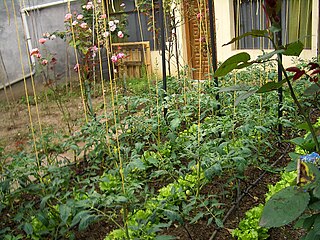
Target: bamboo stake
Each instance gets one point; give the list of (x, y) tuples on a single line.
[(26, 89), (77, 64)]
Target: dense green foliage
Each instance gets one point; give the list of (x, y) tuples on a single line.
[(166, 164)]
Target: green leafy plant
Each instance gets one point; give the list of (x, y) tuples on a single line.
[(249, 227)]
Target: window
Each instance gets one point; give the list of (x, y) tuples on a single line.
[(134, 20), (296, 16)]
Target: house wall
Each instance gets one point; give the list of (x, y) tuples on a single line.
[(225, 30), (181, 52), (224, 18)]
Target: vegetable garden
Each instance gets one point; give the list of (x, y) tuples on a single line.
[(121, 158)]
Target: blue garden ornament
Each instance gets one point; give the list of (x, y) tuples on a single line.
[(311, 158), (304, 174)]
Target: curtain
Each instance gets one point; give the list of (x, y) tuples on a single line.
[(299, 19), (296, 16)]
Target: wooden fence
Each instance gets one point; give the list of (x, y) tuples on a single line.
[(137, 58)]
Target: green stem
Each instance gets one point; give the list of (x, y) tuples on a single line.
[(293, 95), (301, 109), (125, 221)]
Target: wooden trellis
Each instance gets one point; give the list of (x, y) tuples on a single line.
[(137, 57)]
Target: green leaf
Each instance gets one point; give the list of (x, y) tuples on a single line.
[(43, 218), (315, 206), (316, 192), (212, 171), (121, 199), (244, 96), (65, 212), (44, 200), (218, 222), (237, 61), (303, 126), (137, 163), (299, 141), (253, 33), (305, 221), (313, 89), (293, 49), (175, 123), (284, 207), (274, 29), (235, 88), (269, 55), (312, 235), (173, 216), (85, 221), (27, 227), (197, 217), (270, 86), (79, 216)]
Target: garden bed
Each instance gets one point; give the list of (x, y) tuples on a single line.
[(162, 177)]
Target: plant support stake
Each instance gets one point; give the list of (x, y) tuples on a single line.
[(213, 38), (280, 91), (163, 50)]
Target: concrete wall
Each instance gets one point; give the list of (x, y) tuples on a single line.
[(40, 16)]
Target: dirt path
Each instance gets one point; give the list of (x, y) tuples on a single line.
[(16, 131)]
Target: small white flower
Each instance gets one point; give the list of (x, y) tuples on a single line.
[(120, 34), (113, 28), (105, 34), (52, 37)]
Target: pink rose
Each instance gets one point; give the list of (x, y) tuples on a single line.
[(67, 17), (89, 5), (114, 59), (76, 67), (44, 62), (46, 35), (34, 51), (83, 25), (103, 16), (120, 34), (80, 16), (94, 48), (42, 40), (74, 23), (53, 60), (120, 55)]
